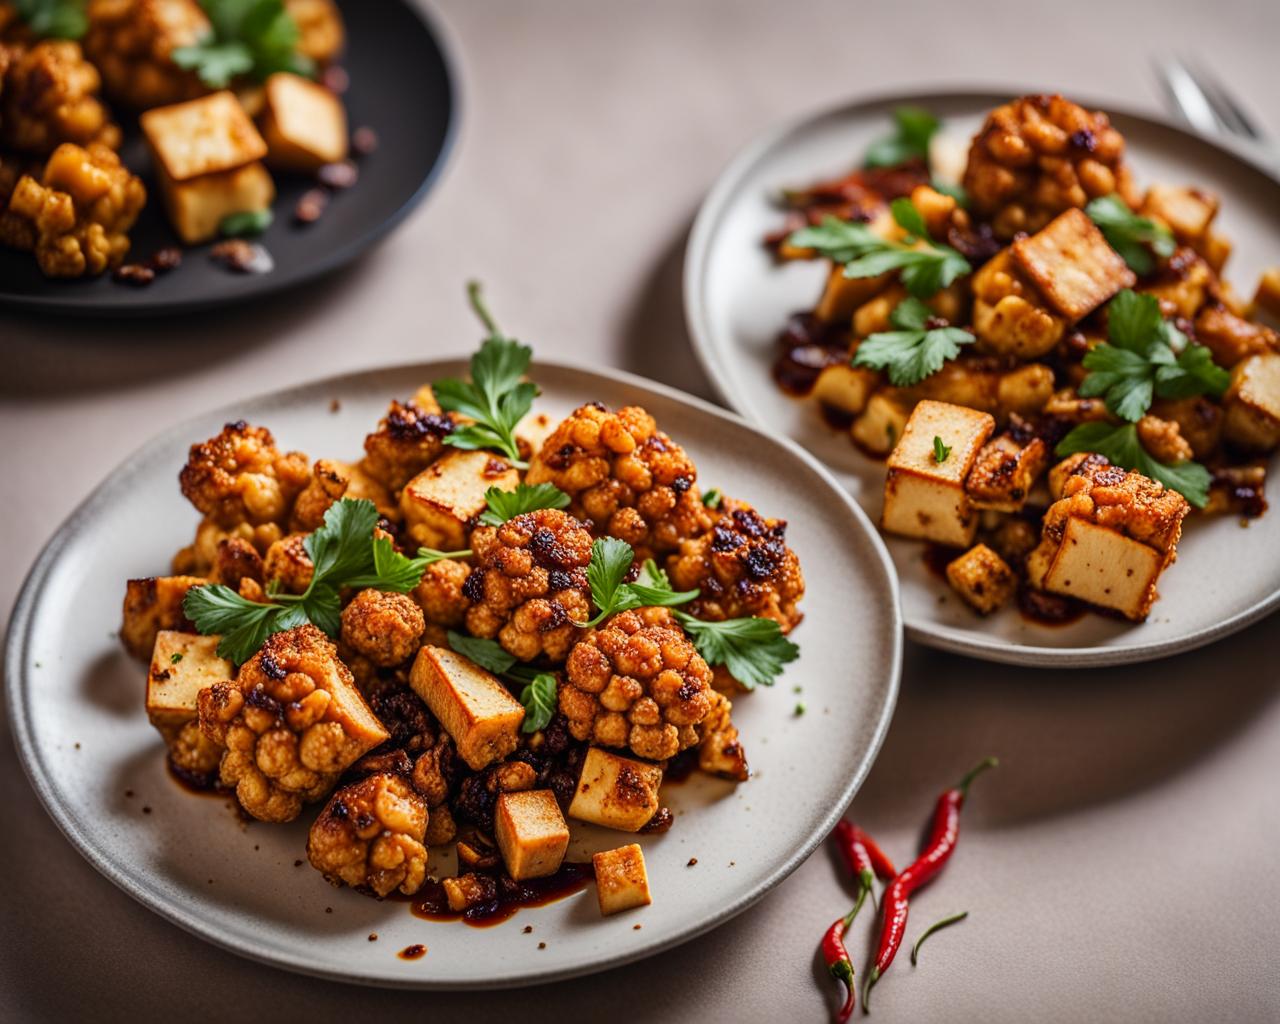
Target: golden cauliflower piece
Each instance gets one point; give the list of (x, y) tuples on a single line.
[(16, 231), (332, 481), (288, 565), (236, 559), (322, 33), (1041, 155), (193, 756), (239, 476), (530, 584), (719, 751), (369, 836), (386, 628), (50, 98), (637, 683), (1010, 315), (624, 475), (743, 568), (408, 439), (1119, 499), (291, 723), (130, 42), (440, 595)]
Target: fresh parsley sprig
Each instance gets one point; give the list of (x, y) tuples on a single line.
[(250, 37), (1145, 356), (941, 452), (915, 350), (1120, 445), (925, 271), (53, 19), (1134, 238), (496, 398), (538, 695), (610, 562), (914, 129), (506, 505)]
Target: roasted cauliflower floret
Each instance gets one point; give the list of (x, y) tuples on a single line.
[(386, 628), (291, 723), (288, 565), (130, 42), (408, 439), (1041, 155), (440, 595), (1010, 316), (332, 481), (743, 568), (239, 476), (236, 559), (50, 97), (320, 28), (193, 755), (1121, 500), (719, 751), (530, 584), (626, 476), (369, 836), (637, 683)]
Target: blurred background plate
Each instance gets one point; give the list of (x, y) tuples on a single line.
[(76, 701), (737, 300), (401, 87)]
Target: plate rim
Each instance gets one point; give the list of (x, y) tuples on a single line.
[(264, 286), (696, 261), (17, 681)]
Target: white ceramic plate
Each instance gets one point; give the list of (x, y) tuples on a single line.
[(737, 299), (76, 704)]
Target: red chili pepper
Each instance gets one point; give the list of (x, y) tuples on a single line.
[(849, 837), (942, 841), (838, 962)]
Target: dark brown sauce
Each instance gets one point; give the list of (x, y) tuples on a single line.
[(197, 784), (806, 347), (1045, 609), (938, 556), (431, 903), (412, 952), (680, 767), (837, 419)]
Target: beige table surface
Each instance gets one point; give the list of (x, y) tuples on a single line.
[(1119, 866)]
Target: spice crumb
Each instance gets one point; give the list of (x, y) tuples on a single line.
[(297, 863), (328, 910), (542, 945), (692, 862), (364, 140), (255, 846), (373, 936), (732, 863), (146, 810), (635, 928), (77, 746), (128, 792), (334, 405), (211, 881), (527, 929)]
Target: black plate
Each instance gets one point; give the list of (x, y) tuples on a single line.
[(400, 86)]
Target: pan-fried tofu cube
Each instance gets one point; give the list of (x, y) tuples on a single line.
[(881, 424), (843, 295), (1231, 338), (1004, 471), (531, 833), (197, 206), (440, 502), (204, 136), (182, 665), (534, 430), (1105, 568), (1216, 249), (303, 124), (845, 387), (924, 497), (474, 708), (1267, 296), (1187, 211), (982, 578), (1072, 265), (616, 792), (1253, 404), (621, 881), (153, 604)]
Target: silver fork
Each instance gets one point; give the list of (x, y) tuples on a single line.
[(1208, 107)]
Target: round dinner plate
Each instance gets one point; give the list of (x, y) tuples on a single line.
[(76, 702), (400, 86), (737, 299)]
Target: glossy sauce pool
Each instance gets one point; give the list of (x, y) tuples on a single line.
[(431, 903)]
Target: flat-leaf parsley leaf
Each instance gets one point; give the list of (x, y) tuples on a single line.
[(915, 350), (1134, 238), (506, 505), (1120, 445), (914, 128)]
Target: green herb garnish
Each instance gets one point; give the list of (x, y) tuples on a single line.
[(1134, 238), (925, 272), (941, 452), (610, 562), (250, 222), (801, 708), (496, 398), (506, 505), (915, 128), (250, 37), (539, 688), (915, 350), (753, 650), (53, 19), (1121, 447), (175, 658), (712, 498)]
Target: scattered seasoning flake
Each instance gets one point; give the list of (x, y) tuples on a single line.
[(635, 928), (134, 273), (373, 936), (311, 205), (800, 708), (146, 810), (328, 910), (77, 746), (364, 140), (798, 689), (175, 658), (527, 929), (334, 405), (166, 260), (128, 792), (255, 846), (297, 863), (542, 945), (211, 881), (692, 862), (343, 174), (732, 863), (335, 79)]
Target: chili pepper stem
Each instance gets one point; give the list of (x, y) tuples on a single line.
[(872, 978), (990, 762)]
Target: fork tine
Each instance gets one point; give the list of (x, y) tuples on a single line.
[(1224, 106), (1189, 98)]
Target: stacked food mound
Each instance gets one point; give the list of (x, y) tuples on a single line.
[(225, 89), (1047, 355), (487, 625)]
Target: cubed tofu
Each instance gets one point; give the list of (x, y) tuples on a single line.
[(204, 136), (1004, 471), (923, 497), (1182, 285), (621, 881), (982, 578), (534, 430), (531, 833), (1072, 265), (1216, 250), (843, 295), (1231, 338), (1252, 404), (474, 708), (153, 604), (440, 502), (1268, 294), (182, 664), (616, 792), (197, 207), (845, 387), (1105, 568), (303, 123), (877, 430), (1187, 211)]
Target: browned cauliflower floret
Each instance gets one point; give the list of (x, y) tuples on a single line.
[(291, 723), (530, 584), (239, 476), (1119, 499), (369, 836), (130, 41), (1041, 155), (332, 481), (16, 231), (236, 559), (743, 567), (630, 479), (50, 97), (719, 751), (440, 595), (288, 565), (386, 628), (193, 755), (637, 683), (409, 438)]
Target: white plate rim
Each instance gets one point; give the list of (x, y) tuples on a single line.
[(17, 680), (696, 259)]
